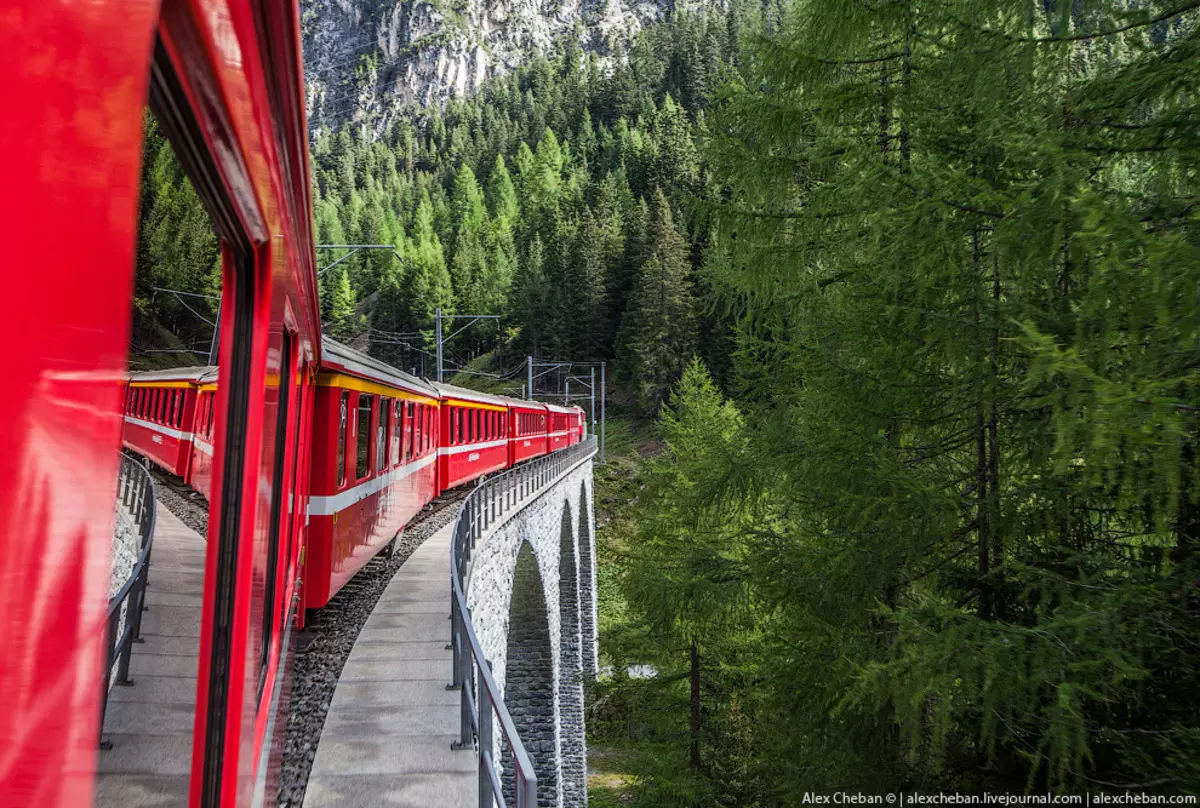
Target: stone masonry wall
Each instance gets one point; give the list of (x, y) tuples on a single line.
[(567, 505)]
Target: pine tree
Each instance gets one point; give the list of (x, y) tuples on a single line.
[(344, 321), (658, 332)]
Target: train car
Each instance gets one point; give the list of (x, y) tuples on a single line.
[(474, 429), (577, 426), (160, 410), (224, 81), (203, 434), (561, 420), (375, 440), (528, 421)]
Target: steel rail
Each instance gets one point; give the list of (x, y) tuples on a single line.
[(484, 511)]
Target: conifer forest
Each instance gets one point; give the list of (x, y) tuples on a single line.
[(901, 300)]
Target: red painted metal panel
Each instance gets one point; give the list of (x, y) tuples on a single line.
[(70, 144)]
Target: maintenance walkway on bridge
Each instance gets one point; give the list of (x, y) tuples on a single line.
[(388, 734), (149, 724)]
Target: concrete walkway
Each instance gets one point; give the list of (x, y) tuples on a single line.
[(387, 736), (150, 723)]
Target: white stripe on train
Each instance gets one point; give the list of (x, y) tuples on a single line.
[(328, 506), (166, 430)]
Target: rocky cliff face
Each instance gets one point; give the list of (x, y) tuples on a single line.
[(366, 60)]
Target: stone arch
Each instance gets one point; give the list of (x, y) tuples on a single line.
[(529, 678), (570, 677), (587, 585)]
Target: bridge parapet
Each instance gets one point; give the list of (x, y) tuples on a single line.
[(523, 628)]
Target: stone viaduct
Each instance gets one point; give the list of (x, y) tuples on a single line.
[(531, 592)]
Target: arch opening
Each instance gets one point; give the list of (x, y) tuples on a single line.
[(529, 679)]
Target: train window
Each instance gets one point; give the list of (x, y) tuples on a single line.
[(430, 413), (362, 460), (343, 419), (408, 433), (457, 424), (397, 429), (413, 438), (385, 408)]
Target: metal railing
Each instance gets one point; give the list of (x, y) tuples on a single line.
[(485, 509), (135, 495)]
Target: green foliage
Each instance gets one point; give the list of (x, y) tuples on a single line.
[(961, 247), (554, 165), (177, 250)]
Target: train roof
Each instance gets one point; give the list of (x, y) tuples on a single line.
[(337, 356), (189, 374), (561, 409), (465, 394)]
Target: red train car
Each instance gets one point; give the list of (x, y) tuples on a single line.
[(474, 428), (374, 466), (577, 426), (528, 422), (561, 422), (224, 80), (160, 409)]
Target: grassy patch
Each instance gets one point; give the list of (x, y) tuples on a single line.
[(609, 783)]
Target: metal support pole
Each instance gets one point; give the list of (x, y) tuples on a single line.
[(567, 393), (602, 413), (592, 411), (438, 326), (214, 349), (484, 708), (529, 375)]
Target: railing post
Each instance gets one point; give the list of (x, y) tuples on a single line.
[(466, 730), (486, 797), (110, 638), (526, 789), (455, 637)]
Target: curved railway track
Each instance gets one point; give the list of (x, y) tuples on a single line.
[(322, 648)]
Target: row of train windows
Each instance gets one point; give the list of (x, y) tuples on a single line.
[(530, 423), (157, 404), (410, 425), (471, 425)]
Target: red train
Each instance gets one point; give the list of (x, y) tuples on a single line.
[(383, 445), (308, 454)]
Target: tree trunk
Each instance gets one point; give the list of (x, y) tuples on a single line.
[(982, 468), (695, 740)]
